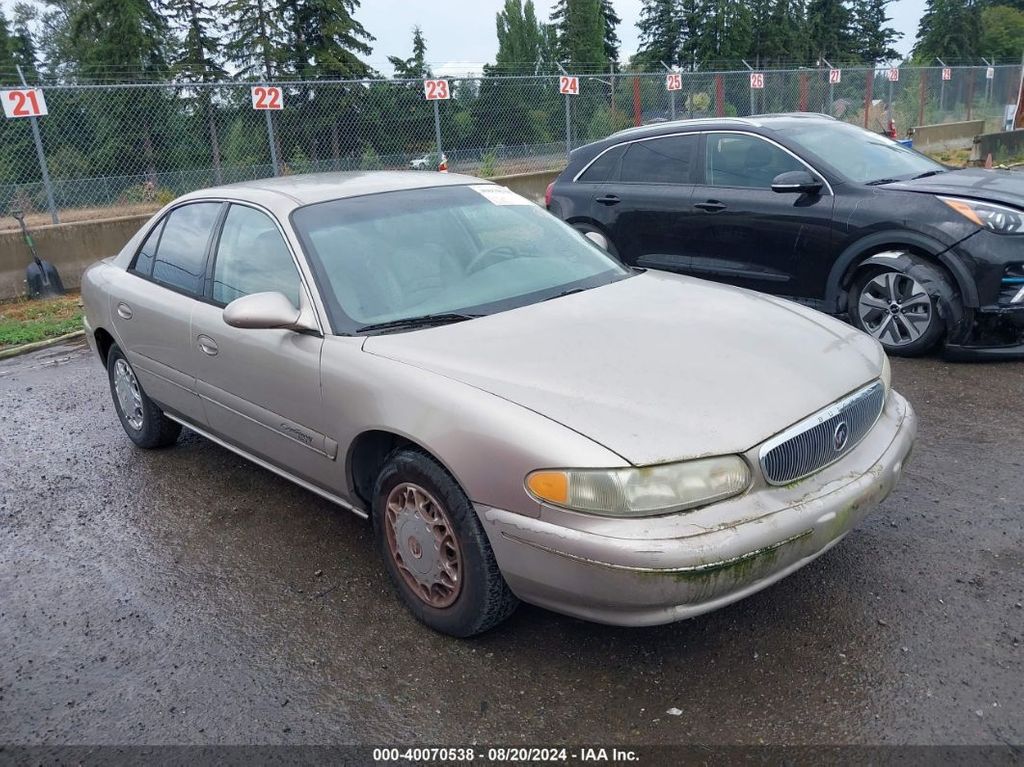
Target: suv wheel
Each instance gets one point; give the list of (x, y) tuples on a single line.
[(435, 549), (899, 305)]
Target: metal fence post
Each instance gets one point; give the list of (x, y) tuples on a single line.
[(37, 137), (273, 143), (437, 132), (869, 86), (568, 127)]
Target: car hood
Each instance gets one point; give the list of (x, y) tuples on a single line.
[(1002, 186), (655, 368)]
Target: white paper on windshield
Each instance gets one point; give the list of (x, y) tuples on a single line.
[(499, 195)]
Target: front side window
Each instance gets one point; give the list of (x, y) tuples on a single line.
[(252, 257), (738, 160), (666, 160), (479, 249), (181, 256)]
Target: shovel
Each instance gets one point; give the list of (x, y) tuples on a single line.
[(41, 276)]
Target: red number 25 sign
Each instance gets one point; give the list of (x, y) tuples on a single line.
[(26, 102), (267, 97)]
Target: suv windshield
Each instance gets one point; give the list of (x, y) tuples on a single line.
[(858, 154), (396, 260)]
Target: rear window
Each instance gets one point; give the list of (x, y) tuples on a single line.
[(181, 257), (603, 168), (666, 160)]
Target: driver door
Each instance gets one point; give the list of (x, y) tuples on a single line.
[(260, 388)]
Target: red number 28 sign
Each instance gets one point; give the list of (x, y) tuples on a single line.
[(25, 102), (267, 97)]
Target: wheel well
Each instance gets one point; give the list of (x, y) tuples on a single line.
[(366, 458), (847, 281), (103, 343)]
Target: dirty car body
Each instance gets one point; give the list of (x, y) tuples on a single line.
[(632, 448)]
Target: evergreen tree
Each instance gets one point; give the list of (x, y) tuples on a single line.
[(258, 42), (830, 30), (325, 40), (197, 58), (728, 32), (579, 25), (1002, 33), (123, 39), (660, 29), (416, 66), (7, 62), (522, 43), (611, 36), (949, 29), (22, 45), (873, 40)]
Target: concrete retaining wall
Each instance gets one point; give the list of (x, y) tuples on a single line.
[(1002, 146), (931, 138), (72, 247)]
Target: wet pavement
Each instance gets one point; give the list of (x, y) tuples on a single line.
[(187, 596)]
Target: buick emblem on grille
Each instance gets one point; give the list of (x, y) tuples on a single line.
[(840, 436)]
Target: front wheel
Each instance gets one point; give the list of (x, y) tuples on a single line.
[(900, 306), (435, 549)]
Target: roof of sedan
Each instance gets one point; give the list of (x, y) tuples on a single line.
[(320, 187)]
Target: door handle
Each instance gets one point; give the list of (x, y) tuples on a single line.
[(124, 311), (608, 199), (207, 345), (711, 206)]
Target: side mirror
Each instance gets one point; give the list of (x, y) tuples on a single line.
[(796, 181), (598, 239), (263, 311)]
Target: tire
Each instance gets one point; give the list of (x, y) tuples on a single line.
[(145, 425), (412, 490), (900, 305), (584, 228)]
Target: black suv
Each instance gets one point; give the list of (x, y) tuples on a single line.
[(819, 211)]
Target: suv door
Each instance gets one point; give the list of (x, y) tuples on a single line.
[(260, 388), (152, 303), (746, 234), (645, 206)]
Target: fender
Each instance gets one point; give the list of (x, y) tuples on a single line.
[(835, 289)]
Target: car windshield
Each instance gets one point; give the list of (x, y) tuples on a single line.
[(859, 155), (426, 256)]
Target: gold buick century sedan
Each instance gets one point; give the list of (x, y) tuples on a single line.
[(521, 416)]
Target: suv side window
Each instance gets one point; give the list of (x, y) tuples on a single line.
[(252, 257), (739, 160), (602, 170), (180, 259), (667, 160)]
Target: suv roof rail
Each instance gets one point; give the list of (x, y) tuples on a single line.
[(805, 115), (687, 121)]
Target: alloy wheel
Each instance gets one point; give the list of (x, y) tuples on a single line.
[(894, 308)]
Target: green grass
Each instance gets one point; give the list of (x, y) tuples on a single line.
[(24, 321)]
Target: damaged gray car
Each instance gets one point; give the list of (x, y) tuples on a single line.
[(521, 416)]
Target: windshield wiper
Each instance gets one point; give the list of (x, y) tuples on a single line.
[(880, 181), (422, 321), (568, 292), (928, 173)]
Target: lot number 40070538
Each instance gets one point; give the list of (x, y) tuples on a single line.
[(24, 102)]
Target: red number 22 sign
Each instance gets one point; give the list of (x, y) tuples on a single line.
[(267, 97)]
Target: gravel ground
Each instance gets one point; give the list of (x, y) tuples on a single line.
[(186, 596)]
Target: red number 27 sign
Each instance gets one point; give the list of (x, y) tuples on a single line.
[(25, 102)]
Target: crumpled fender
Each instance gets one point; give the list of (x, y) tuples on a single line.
[(936, 284)]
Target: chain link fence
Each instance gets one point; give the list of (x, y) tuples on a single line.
[(121, 149)]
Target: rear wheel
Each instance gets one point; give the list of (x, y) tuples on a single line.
[(899, 305), (435, 549), (143, 422)]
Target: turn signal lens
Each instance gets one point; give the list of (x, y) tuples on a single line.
[(642, 491)]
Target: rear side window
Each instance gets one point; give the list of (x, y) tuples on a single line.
[(181, 256), (147, 253), (666, 160), (603, 168)]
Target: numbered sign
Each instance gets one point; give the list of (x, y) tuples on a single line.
[(569, 86), (437, 90), (673, 82), (990, 73), (947, 73), (835, 76), (757, 80), (267, 97), (25, 102), (893, 75)]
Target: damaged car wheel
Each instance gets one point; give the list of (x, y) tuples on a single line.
[(899, 304)]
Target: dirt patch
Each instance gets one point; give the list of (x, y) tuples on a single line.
[(23, 321)]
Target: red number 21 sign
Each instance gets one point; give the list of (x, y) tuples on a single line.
[(24, 102)]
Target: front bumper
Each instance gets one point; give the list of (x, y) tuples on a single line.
[(662, 569)]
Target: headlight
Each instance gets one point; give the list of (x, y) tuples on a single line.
[(886, 375), (644, 491), (996, 218)]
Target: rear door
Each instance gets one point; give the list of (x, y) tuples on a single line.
[(152, 302), (646, 205), (744, 233), (260, 388)]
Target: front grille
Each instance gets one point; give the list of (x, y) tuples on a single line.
[(823, 438)]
